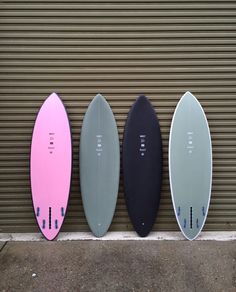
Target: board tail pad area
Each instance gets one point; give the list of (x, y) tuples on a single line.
[(191, 220), (51, 165), (190, 165), (50, 219)]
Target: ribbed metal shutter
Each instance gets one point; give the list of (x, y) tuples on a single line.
[(120, 49)]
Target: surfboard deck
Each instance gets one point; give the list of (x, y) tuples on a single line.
[(99, 165), (190, 165), (50, 166), (142, 165)]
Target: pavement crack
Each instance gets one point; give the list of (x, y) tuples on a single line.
[(2, 247)]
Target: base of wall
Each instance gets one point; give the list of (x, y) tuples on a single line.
[(63, 236)]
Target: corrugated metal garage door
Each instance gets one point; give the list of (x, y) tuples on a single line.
[(120, 49)]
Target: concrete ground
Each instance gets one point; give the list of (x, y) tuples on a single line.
[(118, 266)]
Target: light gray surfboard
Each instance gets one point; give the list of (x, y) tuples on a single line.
[(99, 165), (190, 165)]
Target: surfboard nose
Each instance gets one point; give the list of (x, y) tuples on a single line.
[(100, 97), (54, 96), (189, 96), (142, 98), (53, 100)]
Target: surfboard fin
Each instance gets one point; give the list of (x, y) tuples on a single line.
[(197, 224), (191, 217), (185, 222), (179, 211), (203, 211)]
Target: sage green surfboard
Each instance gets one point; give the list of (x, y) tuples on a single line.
[(99, 165), (190, 165)]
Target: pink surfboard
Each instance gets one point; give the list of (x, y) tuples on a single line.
[(50, 166)]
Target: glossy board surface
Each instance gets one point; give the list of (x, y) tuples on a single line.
[(190, 165), (99, 165), (50, 165), (142, 165)]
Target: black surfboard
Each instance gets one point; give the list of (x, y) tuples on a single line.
[(142, 165)]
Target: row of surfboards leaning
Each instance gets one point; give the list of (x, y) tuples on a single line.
[(190, 165)]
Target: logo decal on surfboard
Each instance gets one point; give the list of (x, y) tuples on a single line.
[(99, 148), (142, 146)]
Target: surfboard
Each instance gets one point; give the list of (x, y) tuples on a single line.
[(50, 166), (142, 165), (99, 165), (190, 165)]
